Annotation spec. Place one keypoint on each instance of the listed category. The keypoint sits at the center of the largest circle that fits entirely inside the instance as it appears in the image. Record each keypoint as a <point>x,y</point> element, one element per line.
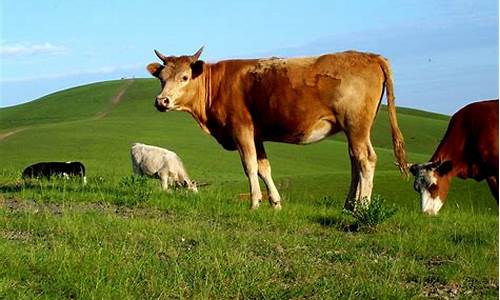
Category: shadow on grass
<point>18,186</point>
<point>367,216</point>
<point>341,223</point>
<point>129,192</point>
<point>11,187</point>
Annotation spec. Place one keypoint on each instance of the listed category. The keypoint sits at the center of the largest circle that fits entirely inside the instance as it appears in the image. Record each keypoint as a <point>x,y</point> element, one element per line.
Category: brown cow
<point>469,149</point>
<point>243,103</point>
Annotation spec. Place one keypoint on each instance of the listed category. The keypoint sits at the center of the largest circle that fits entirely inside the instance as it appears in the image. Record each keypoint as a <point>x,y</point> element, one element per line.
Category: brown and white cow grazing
<point>243,103</point>
<point>469,149</point>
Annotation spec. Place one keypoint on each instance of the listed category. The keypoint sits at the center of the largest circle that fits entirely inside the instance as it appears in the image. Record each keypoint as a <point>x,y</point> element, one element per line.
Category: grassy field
<point>122,237</point>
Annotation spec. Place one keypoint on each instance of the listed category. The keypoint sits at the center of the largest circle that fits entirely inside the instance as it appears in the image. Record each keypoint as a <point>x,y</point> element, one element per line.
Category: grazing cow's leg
<point>493,184</point>
<point>165,179</point>
<point>246,148</point>
<point>136,168</point>
<point>264,169</point>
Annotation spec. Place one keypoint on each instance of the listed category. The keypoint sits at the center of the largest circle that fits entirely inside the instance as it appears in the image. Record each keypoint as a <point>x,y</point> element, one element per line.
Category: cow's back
<point>471,140</point>
<point>151,159</point>
<point>35,170</point>
<point>47,169</point>
<point>482,126</point>
<point>287,97</point>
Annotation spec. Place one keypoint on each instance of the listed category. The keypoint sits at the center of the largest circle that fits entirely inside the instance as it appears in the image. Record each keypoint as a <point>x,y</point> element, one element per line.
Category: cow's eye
<point>185,78</point>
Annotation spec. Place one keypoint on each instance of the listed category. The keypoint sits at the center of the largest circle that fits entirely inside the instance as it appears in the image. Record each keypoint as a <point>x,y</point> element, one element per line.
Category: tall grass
<point>59,239</point>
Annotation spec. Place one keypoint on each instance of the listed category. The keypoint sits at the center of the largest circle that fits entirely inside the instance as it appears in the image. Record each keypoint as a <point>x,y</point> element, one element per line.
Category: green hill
<point>106,117</point>
<point>97,123</point>
<point>72,104</point>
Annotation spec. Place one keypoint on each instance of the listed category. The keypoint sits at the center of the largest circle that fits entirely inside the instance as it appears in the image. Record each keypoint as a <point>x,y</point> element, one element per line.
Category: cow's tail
<point>397,137</point>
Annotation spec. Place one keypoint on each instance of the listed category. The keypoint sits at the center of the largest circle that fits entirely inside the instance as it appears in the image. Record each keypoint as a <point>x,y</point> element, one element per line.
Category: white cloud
<point>9,50</point>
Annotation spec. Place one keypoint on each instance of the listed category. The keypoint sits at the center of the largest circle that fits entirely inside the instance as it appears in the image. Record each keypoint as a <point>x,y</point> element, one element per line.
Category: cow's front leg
<point>246,148</point>
<point>165,183</point>
<point>493,185</point>
<point>265,173</point>
<point>166,180</point>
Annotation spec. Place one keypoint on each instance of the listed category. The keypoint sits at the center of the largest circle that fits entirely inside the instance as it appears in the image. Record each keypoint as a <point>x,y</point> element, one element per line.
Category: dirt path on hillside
<point>5,135</point>
<point>114,101</point>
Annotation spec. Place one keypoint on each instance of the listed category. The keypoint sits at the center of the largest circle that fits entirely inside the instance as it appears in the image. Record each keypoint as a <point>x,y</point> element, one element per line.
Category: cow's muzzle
<point>162,103</point>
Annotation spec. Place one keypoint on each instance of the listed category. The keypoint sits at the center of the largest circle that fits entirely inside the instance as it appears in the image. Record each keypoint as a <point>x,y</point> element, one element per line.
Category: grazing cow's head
<point>432,182</point>
<point>176,75</point>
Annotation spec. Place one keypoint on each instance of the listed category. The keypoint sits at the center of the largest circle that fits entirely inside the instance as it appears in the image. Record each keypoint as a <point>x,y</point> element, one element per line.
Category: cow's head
<point>177,76</point>
<point>432,181</point>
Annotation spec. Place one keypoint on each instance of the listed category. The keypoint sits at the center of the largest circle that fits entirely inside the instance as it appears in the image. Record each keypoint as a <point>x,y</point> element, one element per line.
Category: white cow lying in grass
<point>158,162</point>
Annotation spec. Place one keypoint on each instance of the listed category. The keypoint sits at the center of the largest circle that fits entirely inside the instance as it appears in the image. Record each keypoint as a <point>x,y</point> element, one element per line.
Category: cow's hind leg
<point>493,184</point>
<point>264,169</point>
<point>248,154</point>
<point>353,189</point>
<point>364,160</point>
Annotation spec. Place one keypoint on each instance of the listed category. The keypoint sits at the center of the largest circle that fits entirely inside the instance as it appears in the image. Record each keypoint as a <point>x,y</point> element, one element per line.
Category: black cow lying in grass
<point>49,169</point>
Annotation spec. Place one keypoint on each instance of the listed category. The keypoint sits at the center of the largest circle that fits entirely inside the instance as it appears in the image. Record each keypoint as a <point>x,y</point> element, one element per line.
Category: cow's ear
<point>154,69</point>
<point>444,168</point>
<point>197,68</point>
<point>413,169</point>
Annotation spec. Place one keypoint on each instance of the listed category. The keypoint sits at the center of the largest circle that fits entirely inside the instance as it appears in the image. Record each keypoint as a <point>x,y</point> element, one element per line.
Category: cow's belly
<point>317,132</point>
<point>304,133</point>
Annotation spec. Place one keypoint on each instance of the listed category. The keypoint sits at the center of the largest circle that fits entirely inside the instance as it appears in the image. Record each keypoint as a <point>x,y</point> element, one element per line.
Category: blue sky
<point>444,54</point>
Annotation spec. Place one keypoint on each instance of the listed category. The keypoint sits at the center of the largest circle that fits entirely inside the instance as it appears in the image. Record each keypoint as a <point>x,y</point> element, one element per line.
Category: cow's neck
<point>452,150</point>
<point>202,98</point>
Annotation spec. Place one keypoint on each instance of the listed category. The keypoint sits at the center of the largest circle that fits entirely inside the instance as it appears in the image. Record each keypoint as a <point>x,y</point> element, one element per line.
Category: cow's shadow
<point>339,222</point>
<point>12,187</point>
<point>33,184</point>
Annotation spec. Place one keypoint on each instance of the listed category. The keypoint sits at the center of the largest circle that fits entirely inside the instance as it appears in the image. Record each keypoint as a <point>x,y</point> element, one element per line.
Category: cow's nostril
<point>163,101</point>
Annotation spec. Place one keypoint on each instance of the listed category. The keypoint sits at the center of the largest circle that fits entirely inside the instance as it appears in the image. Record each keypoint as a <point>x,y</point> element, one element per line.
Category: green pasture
<point>121,238</point>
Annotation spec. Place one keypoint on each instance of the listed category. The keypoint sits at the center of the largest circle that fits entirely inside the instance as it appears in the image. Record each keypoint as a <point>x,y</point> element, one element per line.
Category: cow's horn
<point>160,56</point>
<point>197,55</point>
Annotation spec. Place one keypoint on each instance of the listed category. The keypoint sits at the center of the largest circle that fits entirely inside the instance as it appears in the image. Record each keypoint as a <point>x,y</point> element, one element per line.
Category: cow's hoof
<point>349,207</point>
<point>254,206</point>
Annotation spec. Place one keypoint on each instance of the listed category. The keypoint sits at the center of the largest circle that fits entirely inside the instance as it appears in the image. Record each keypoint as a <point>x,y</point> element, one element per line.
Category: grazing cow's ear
<point>413,169</point>
<point>431,166</point>
<point>154,69</point>
<point>197,68</point>
<point>444,168</point>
